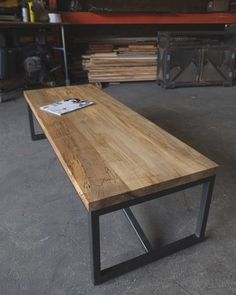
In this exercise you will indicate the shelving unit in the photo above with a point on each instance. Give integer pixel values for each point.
(12, 25)
(88, 18)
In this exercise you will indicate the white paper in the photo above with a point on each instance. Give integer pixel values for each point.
(66, 106)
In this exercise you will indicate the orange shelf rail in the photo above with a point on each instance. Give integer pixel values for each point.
(88, 18)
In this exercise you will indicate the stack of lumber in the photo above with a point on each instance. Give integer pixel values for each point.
(134, 62)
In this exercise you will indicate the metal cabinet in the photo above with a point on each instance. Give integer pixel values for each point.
(195, 58)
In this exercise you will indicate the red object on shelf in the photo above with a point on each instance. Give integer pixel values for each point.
(53, 5)
(88, 18)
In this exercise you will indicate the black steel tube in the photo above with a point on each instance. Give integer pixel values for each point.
(34, 136)
(204, 208)
(138, 230)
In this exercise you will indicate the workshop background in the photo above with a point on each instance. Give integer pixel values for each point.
(172, 62)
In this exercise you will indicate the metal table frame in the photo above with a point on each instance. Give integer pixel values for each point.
(100, 275)
(33, 134)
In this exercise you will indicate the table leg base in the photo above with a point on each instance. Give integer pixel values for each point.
(101, 275)
(34, 136)
(147, 258)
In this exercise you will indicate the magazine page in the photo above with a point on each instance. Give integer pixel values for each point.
(62, 107)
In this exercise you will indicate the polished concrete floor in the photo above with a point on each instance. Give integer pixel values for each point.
(43, 225)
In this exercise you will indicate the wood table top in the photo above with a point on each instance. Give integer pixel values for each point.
(112, 154)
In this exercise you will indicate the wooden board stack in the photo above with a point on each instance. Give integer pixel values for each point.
(134, 62)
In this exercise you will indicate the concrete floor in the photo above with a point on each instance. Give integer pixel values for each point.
(43, 224)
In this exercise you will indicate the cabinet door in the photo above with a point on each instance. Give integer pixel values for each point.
(218, 66)
(179, 67)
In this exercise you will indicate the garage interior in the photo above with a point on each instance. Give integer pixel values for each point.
(44, 241)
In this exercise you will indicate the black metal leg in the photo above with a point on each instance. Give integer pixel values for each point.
(32, 130)
(204, 208)
(138, 230)
(100, 275)
(94, 236)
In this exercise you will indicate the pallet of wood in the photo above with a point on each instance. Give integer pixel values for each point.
(135, 62)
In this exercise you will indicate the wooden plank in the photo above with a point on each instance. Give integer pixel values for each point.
(128, 77)
(121, 79)
(112, 154)
(124, 62)
(124, 76)
(135, 70)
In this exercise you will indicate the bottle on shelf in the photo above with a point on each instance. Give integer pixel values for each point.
(31, 11)
(25, 11)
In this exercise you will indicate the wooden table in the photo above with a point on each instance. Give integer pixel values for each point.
(115, 159)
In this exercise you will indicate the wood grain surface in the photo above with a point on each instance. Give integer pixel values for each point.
(112, 154)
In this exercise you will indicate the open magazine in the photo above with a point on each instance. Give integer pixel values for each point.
(62, 107)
